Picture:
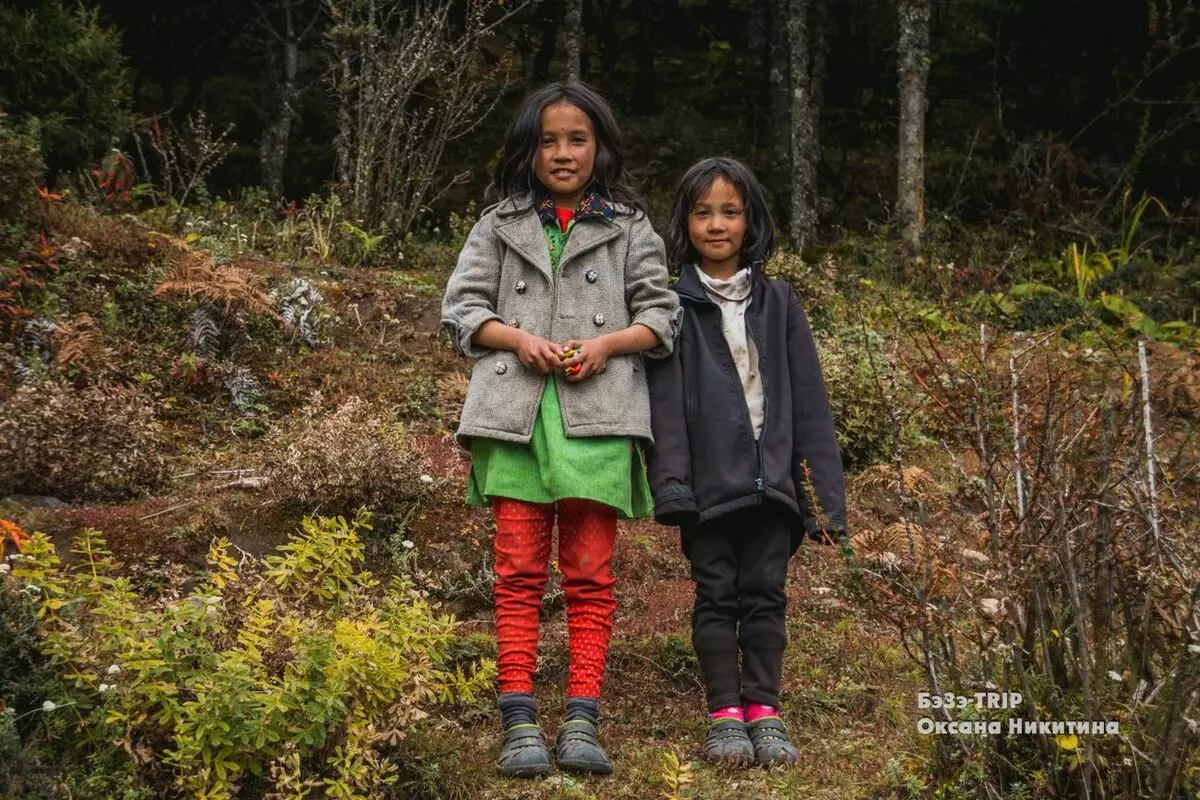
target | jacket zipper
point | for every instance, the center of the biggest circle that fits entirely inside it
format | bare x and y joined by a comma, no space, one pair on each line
758,480
762,434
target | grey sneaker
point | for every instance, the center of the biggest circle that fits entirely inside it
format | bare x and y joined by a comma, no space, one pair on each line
577,746
523,751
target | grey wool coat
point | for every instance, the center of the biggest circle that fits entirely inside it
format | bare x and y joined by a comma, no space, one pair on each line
611,274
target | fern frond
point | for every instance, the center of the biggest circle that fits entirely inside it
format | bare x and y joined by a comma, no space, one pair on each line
193,273
77,344
204,332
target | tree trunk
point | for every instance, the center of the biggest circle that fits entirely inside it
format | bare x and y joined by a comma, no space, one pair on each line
606,28
573,30
548,23
756,41
277,135
803,133
913,69
646,43
779,179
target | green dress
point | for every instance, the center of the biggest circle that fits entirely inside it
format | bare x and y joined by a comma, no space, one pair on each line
607,469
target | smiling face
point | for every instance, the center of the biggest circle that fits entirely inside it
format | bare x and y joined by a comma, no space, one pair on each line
566,154
717,227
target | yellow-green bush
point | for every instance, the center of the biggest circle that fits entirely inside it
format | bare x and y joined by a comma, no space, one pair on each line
864,400
291,673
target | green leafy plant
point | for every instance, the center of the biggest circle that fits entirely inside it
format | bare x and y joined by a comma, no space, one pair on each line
363,247
1087,267
295,670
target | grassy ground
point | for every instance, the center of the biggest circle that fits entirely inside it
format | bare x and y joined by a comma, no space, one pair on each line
849,686
849,689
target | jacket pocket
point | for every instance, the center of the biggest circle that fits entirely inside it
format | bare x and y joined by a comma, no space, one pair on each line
610,397
496,397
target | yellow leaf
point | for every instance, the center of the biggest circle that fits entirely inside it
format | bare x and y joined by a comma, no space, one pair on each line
1067,741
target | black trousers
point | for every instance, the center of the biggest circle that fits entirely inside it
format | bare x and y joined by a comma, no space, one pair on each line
739,565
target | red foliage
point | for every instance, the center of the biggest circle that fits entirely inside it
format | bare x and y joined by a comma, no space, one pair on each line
115,176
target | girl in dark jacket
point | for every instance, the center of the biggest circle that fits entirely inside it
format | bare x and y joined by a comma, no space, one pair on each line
745,459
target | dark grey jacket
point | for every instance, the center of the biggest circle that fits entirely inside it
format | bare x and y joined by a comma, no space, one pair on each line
705,460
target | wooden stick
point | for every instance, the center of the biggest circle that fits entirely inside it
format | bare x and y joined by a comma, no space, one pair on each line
166,510
1016,411
1149,447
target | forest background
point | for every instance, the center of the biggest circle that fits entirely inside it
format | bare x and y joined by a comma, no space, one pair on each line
224,395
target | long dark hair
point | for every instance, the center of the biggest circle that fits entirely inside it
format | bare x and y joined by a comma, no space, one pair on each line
759,243
514,174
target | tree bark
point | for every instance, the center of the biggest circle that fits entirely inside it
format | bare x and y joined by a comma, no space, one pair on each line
913,73
756,41
606,28
277,135
803,133
779,179
646,43
548,23
573,30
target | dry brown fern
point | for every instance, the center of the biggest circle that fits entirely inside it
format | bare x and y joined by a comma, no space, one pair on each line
1181,389
890,545
901,546
77,344
229,286
917,482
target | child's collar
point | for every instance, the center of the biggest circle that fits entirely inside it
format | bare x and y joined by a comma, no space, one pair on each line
591,205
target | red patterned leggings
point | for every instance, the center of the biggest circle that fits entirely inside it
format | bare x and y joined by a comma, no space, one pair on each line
586,531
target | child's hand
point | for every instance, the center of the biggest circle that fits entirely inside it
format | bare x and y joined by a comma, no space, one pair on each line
538,353
589,357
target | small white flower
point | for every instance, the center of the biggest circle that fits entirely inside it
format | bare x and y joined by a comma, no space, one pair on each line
1194,648
49,705
1116,676
407,545
113,669
32,588
426,479
104,687
4,569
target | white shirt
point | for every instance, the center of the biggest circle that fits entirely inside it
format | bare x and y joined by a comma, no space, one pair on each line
733,298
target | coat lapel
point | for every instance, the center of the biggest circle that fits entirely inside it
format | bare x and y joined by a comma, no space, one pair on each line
523,233
586,236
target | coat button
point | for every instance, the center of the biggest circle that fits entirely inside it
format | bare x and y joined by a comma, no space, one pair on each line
516,323
501,368
521,287
599,320
591,275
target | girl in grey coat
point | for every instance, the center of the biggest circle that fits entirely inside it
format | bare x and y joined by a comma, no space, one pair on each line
559,292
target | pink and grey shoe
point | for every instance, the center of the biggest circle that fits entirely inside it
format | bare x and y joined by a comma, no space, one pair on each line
727,743
771,744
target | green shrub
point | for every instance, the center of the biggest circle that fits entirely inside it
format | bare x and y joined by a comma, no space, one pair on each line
25,682
64,69
21,171
1043,310
862,405
98,442
293,672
